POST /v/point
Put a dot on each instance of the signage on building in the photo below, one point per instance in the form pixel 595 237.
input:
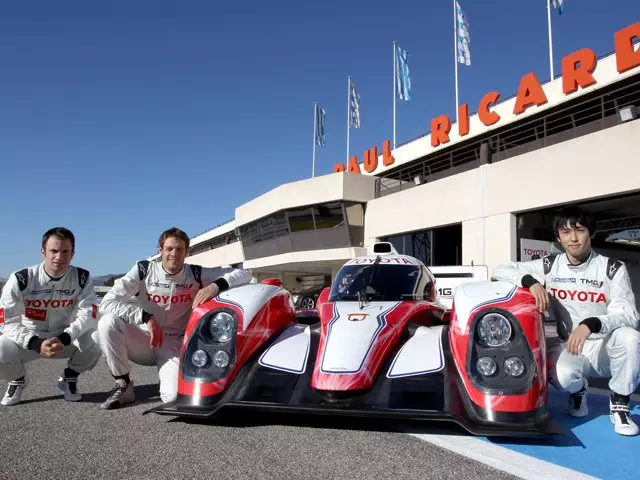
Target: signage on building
pixel 533 249
pixel 577 72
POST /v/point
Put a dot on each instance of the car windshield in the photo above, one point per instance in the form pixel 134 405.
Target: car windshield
pixel 389 283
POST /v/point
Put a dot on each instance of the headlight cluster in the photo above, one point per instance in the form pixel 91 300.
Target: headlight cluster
pixel 500 358
pixel 212 349
pixel 494 330
pixel 488 367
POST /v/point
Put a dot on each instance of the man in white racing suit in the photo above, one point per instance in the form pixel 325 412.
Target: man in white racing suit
pixel 591 299
pixel 145 314
pixel 48 311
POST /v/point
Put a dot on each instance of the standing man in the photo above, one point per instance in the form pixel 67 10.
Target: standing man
pixel 49 312
pixel 595 311
pixel 145 314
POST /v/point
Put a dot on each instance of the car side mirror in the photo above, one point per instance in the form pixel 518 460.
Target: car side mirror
pixel 324 296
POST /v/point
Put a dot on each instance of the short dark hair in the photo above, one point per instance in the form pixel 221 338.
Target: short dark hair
pixel 62 233
pixel 573 216
pixel 173 232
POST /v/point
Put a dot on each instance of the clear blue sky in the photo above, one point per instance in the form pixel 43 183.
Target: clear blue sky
pixel 119 119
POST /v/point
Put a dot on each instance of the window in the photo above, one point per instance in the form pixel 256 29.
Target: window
pixel 378 282
pixel 300 219
pixel 328 216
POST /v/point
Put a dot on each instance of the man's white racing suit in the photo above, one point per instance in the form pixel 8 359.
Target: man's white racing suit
pixel 148 290
pixel 34 307
pixel 597 293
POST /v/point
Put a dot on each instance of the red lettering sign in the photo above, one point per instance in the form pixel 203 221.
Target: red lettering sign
pixel 577 72
pixel 626 56
pixel 1 316
pixel 487 117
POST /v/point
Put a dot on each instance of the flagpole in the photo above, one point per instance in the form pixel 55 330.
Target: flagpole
pixel 395 67
pixel 455 52
pixel 550 39
pixel 315 119
pixel 348 114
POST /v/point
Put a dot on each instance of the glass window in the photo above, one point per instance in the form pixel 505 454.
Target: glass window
pixel 300 219
pixel 379 282
pixel 328 216
pixel 416 244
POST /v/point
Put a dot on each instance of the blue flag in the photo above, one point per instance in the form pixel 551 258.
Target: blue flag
pixel 558 5
pixel 464 38
pixel 320 132
pixel 354 106
pixel 403 79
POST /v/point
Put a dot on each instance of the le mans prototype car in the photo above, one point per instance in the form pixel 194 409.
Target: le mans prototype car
pixel 379 345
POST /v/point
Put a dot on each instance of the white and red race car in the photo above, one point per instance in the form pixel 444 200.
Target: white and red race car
pixel 381 344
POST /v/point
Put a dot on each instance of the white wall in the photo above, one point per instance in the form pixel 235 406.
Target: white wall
pixel 607 162
pixel 282 260
pixel 219 257
pixel 326 188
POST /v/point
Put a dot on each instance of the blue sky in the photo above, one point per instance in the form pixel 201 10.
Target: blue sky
pixel 120 119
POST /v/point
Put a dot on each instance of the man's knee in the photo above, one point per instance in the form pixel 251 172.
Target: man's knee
pixel 567 374
pixel 9 351
pixel 107 324
pixel 626 339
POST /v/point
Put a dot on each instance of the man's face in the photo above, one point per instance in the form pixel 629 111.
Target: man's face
pixel 57 255
pixel 575 240
pixel 173 253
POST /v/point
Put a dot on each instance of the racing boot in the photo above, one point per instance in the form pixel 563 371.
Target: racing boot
pixel 13 395
pixel 620 417
pixel 121 395
pixel 578 402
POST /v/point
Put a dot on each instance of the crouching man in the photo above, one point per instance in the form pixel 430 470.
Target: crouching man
pixel 145 314
pixel 595 311
pixel 49 312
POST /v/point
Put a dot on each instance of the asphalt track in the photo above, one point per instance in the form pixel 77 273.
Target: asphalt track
pixel 46 437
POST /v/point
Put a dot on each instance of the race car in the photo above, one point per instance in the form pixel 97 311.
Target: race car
pixel 381 344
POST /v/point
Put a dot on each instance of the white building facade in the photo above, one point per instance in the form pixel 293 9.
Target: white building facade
pixel 478 192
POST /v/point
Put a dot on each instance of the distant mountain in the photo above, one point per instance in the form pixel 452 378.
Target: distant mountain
pixel 100 280
pixel 97 281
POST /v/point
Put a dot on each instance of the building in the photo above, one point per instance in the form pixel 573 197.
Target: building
pixel 478 192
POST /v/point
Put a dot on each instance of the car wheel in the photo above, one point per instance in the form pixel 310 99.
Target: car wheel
pixel 307 303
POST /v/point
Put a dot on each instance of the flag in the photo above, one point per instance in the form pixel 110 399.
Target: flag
pixel 403 79
pixel 464 38
pixel 558 5
pixel 354 106
pixel 319 121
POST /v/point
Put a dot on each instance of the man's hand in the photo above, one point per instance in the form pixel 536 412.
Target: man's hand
pixel 541 296
pixel 51 348
pixel 577 338
pixel 205 294
pixel 155 330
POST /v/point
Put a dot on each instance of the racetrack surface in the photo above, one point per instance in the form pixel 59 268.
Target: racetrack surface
pixel 47 437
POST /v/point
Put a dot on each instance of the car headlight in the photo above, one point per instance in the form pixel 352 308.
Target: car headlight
pixel 221 327
pixel 200 358
pixel 514 366
pixel 494 330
